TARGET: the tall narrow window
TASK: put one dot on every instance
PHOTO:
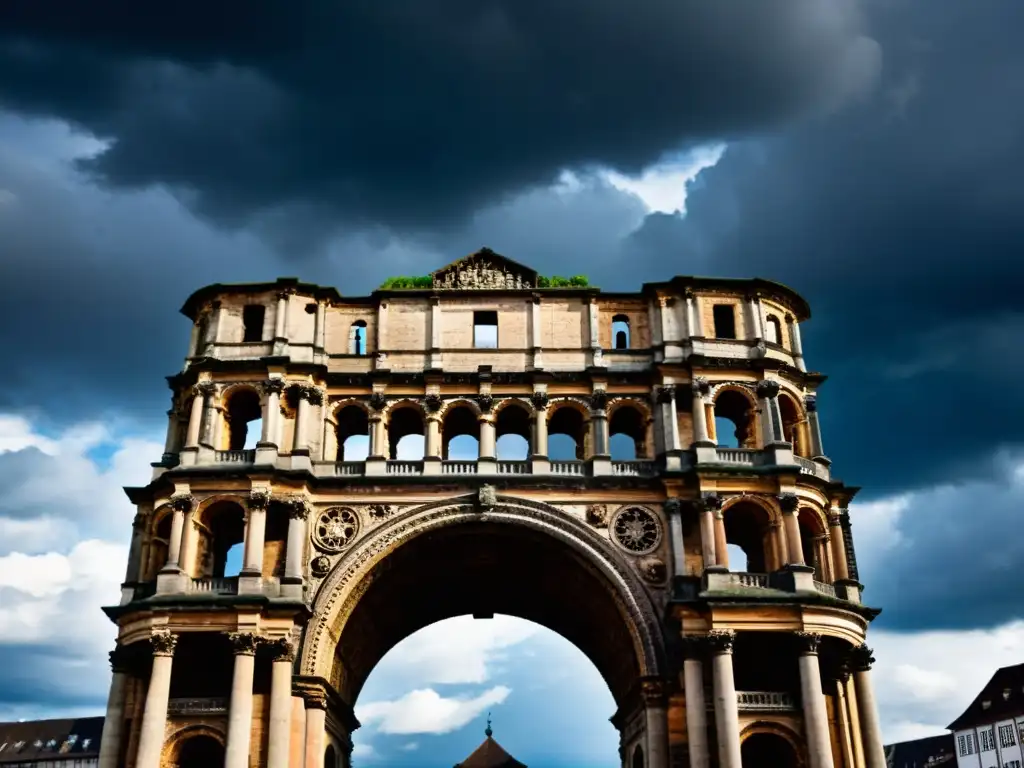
(252, 322)
(485, 329)
(357, 338)
(725, 321)
(620, 332)
(773, 330)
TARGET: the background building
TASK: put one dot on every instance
(929, 752)
(67, 743)
(988, 733)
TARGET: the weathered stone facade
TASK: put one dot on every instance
(627, 557)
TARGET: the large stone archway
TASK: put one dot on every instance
(505, 555)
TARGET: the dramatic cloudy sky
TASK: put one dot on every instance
(867, 152)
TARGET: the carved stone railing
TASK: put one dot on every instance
(208, 706)
(213, 585)
(746, 456)
(458, 467)
(825, 589)
(717, 581)
(808, 467)
(765, 701)
(405, 467)
(239, 350)
(634, 468)
(575, 468)
(234, 457)
(514, 467)
(349, 468)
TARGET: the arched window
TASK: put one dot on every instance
(567, 430)
(746, 536)
(353, 433)
(244, 420)
(773, 330)
(330, 757)
(252, 322)
(638, 757)
(357, 338)
(460, 434)
(620, 332)
(734, 422)
(406, 434)
(724, 316)
(221, 530)
(512, 429)
(627, 434)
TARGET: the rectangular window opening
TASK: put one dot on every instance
(485, 329)
(725, 321)
(252, 322)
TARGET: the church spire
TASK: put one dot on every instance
(488, 732)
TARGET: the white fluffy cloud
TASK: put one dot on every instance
(426, 711)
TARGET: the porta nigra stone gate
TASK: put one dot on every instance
(710, 663)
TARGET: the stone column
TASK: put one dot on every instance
(694, 327)
(186, 560)
(434, 347)
(708, 505)
(378, 447)
(154, 716)
(296, 545)
(819, 743)
(754, 303)
(665, 396)
(599, 422)
(271, 436)
(280, 725)
(207, 428)
(536, 346)
(255, 531)
(694, 649)
(789, 502)
(300, 444)
(814, 426)
(843, 718)
(240, 706)
(721, 541)
(316, 722)
(727, 718)
(487, 436)
(113, 723)
(432, 446)
(320, 326)
(539, 449)
(133, 572)
(771, 417)
(674, 512)
(171, 445)
(871, 732)
(779, 549)
(699, 389)
(193, 339)
(656, 721)
(181, 504)
(281, 322)
(195, 419)
(798, 347)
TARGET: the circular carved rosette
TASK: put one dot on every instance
(320, 566)
(636, 530)
(335, 529)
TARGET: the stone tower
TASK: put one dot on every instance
(644, 475)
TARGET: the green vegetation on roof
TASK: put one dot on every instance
(426, 281)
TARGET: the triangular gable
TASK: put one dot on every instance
(484, 269)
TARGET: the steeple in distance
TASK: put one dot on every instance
(487, 731)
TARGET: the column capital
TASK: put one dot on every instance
(119, 659)
(243, 643)
(377, 401)
(720, 641)
(281, 649)
(540, 400)
(139, 521)
(700, 386)
(672, 506)
(259, 498)
(768, 388)
(163, 642)
(811, 403)
(296, 507)
(788, 502)
(709, 502)
(861, 658)
(283, 295)
(694, 647)
(598, 400)
(204, 388)
(312, 394)
(274, 386)
(807, 643)
(486, 402)
(835, 519)
(844, 518)
(182, 502)
(315, 699)
(666, 393)
(433, 402)
(652, 691)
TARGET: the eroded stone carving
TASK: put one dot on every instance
(486, 498)
(335, 529)
(636, 529)
(320, 566)
(653, 570)
(380, 511)
(597, 516)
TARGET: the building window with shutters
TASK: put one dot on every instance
(988, 740)
(1006, 738)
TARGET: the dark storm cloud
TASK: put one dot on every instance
(900, 222)
(416, 112)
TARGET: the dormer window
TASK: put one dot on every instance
(252, 322)
(620, 332)
(773, 330)
(986, 704)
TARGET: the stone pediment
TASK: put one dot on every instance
(483, 270)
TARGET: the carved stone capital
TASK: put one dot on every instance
(377, 401)
(163, 642)
(598, 400)
(314, 395)
(183, 502)
(768, 388)
(486, 402)
(433, 402)
(119, 659)
(281, 649)
(811, 403)
(315, 699)
(653, 693)
(243, 643)
(258, 499)
(835, 520)
(672, 506)
(844, 519)
(204, 389)
(296, 507)
(694, 647)
(720, 641)
(139, 521)
(283, 295)
(788, 502)
(861, 658)
(700, 386)
(274, 386)
(540, 400)
(665, 394)
(710, 502)
(807, 643)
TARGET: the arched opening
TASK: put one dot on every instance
(734, 420)
(357, 338)
(159, 544)
(638, 757)
(567, 434)
(220, 530)
(627, 434)
(253, 316)
(244, 417)
(275, 541)
(512, 429)
(353, 433)
(210, 679)
(773, 330)
(812, 541)
(794, 425)
(200, 751)
(724, 316)
(474, 567)
(620, 332)
(767, 750)
(746, 532)
(750, 671)
(406, 433)
(330, 757)
(460, 434)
